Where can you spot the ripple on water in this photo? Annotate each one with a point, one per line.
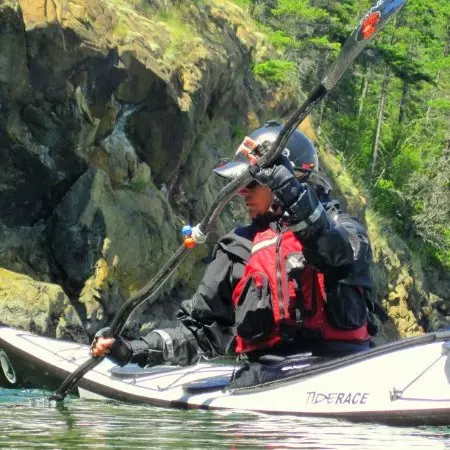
(29, 420)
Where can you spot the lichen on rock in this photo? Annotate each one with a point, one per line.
(42, 308)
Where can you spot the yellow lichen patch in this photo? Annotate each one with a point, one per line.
(105, 266)
(281, 95)
(190, 78)
(246, 37)
(185, 102)
(29, 304)
(8, 275)
(407, 325)
(398, 309)
(78, 11)
(307, 128)
(229, 12)
(39, 13)
(89, 297)
(253, 121)
(101, 274)
(400, 294)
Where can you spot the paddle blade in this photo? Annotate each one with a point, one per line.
(369, 26)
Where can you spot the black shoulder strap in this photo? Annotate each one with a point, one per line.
(236, 244)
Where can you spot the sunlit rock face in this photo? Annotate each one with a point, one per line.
(112, 116)
(39, 307)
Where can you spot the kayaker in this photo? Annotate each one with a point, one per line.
(322, 299)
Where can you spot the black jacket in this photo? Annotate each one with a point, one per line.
(338, 246)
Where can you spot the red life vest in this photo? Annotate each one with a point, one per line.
(278, 280)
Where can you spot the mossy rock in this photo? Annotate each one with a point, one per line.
(42, 308)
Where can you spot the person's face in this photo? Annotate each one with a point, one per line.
(258, 199)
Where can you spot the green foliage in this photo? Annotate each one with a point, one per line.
(177, 26)
(408, 161)
(121, 30)
(280, 39)
(181, 33)
(410, 61)
(275, 70)
(388, 200)
(300, 9)
(442, 104)
(244, 4)
(443, 254)
(384, 196)
(437, 256)
(237, 131)
(322, 42)
(429, 194)
(139, 185)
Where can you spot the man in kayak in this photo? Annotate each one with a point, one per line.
(296, 279)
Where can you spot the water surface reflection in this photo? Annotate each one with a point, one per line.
(29, 420)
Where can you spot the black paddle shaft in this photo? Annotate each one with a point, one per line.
(367, 29)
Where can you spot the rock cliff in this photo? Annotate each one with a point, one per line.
(112, 115)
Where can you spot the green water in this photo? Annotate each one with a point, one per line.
(28, 420)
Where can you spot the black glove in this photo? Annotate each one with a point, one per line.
(145, 351)
(281, 180)
(148, 350)
(120, 352)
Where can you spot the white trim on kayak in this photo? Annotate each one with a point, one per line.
(405, 382)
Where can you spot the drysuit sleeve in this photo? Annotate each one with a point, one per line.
(206, 320)
(337, 245)
(331, 246)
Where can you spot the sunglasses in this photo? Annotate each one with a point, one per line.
(249, 187)
(252, 185)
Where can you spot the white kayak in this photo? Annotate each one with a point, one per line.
(406, 382)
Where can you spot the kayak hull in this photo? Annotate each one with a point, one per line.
(405, 383)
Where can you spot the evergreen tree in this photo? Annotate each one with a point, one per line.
(389, 118)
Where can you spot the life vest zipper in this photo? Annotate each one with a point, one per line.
(279, 275)
(314, 300)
